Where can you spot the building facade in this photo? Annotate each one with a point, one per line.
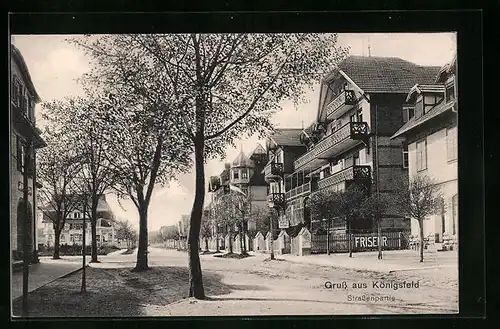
(362, 104)
(245, 174)
(431, 138)
(72, 233)
(25, 139)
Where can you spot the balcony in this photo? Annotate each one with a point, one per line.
(301, 190)
(354, 173)
(341, 104)
(338, 141)
(276, 199)
(273, 172)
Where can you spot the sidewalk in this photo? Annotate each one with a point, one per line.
(393, 261)
(47, 270)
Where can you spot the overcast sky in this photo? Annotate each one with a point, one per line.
(55, 65)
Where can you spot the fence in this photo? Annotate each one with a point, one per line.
(339, 242)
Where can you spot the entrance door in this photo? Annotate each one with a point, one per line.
(21, 219)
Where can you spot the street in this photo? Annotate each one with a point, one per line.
(250, 286)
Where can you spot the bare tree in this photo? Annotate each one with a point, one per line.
(224, 86)
(374, 208)
(419, 198)
(57, 167)
(80, 119)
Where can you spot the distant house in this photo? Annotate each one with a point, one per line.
(72, 233)
(183, 226)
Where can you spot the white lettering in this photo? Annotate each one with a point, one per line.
(356, 240)
(369, 241)
(384, 241)
(375, 241)
(362, 242)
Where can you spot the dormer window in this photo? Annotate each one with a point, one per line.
(244, 174)
(450, 91)
(236, 175)
(408, 113)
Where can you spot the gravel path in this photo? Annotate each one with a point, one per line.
(250, 286)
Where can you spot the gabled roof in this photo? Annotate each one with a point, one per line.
(386, 74)
(447, 69)
(259, 149)
(287, 137)
(19, 59)
(242, 161)
(442, 107)
(421, 88)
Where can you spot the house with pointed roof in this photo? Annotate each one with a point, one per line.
(362, 104)
(72, 233)
(431, 147)
(244, 174)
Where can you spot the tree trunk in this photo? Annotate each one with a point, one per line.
(240, 233)
(230, 241)
(217, 247)
(93, 229)
(142, 250)
(379, 233)
(206, 244)
(244, 239)
(57, 236)
(421, 224)
(271, 229)
(195, 276)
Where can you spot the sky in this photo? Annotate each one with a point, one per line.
(55, 66)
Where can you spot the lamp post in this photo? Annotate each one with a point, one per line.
(271, 229)
(26, 224)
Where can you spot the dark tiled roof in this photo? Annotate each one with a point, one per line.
(287, 137)
(387, 74)
(434, 112)
(241, 160)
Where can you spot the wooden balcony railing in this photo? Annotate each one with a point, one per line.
(301, 190)
(273, 171)
(278, 199)
(348, 97)
(351, 173)
(351, 130)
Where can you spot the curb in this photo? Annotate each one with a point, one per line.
(60, 277)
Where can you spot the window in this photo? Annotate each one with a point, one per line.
(408, 113)
(451, 144)
(450, 91)
(16, 91)
(352, 118)
(244, 174)
(339, 124)
(422, 155)
(20, 154)
(355, 158)
(26, 104)
(405, 159)
(360, 116)
(236, 175)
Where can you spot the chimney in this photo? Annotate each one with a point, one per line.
(227, 165)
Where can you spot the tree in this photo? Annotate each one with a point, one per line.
(224, 86)
(345, 204)
(374, 207)
(125, 232)
(206, 228)
(170, 232)
(80, 118)
(57, 167)
(226, 215)
(419, 198)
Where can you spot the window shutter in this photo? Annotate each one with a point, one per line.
(405, 115)
(19, 154)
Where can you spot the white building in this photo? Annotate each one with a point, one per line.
(72, 233)
(431, 137)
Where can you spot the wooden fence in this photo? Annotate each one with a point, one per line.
(339, 242)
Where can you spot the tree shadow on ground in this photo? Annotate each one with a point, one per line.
(118, 292)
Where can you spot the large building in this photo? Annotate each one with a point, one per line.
(24, 135)
(362, 104)
(431, 139)
(244, 174)
(72, 233)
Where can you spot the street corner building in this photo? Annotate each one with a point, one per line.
(243, 175)
(25, 139)
(363, 103)
(72, 232)
(431, 143)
